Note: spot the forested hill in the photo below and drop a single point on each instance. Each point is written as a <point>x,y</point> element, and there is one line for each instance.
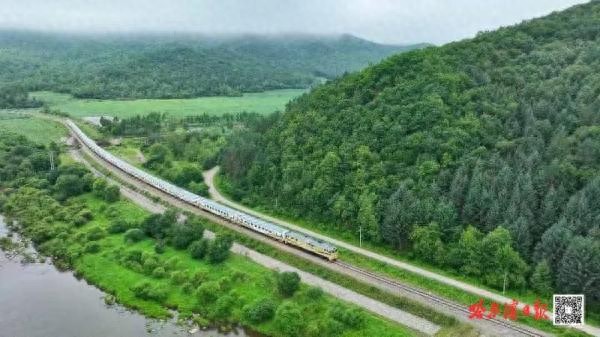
<point>167,66</point>
<point>499,130</point>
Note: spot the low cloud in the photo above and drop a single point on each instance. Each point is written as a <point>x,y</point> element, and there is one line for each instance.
<point>389,21</point>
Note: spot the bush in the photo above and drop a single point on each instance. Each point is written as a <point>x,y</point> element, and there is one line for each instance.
<point>218,250</point>
<point>159,225</point>
<point>314,293</point>
<point>112,193</point>
<point>208,292</point>
<point>118,226</point>
<point>260,311</point>
<point>78,221</point>
<point>95,233</point>
<point>159,272</point>
<point>133,235</point>
<point>182,235</point>
<point>159,247</point>
<point>188,288</point>
<point>351,317</point>
<point>146,291</point>
<point>179,277</point>
<point>199,188</point>
<point>289,320</point>
<point>198,248</point>
<point>150,264</point>
<point>223,307</point>
<point>98,187</point>
<point>288,283</point>
<point>86,214</point>
<point>199,278</point>
<point>92,247</point>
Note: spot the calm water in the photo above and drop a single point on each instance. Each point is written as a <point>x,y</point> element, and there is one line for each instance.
<point>37,300</point>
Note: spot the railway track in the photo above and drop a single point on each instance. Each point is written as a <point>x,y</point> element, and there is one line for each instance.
<point>506,325</point>
<point>437,299</point>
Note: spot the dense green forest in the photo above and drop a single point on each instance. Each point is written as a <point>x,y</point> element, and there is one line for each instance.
<point>481,156</point>
<point>15,97</point>
<point>180,66</point>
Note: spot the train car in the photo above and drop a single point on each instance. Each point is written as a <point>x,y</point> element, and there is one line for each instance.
<point>312,244</point>
<point>300,240</point>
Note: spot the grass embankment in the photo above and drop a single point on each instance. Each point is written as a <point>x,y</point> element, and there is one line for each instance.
<point>263,103</point>
<point>37,130</point>
<point>449,324</point>
<point>407,277</point>
<point>171,273</point>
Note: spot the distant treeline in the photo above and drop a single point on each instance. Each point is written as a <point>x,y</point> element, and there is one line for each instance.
<point>15,97</point>
<point>177,67</point>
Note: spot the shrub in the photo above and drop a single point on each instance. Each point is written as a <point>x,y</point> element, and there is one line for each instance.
<point>133,235</point>
<point>198,248</point>
<point>208,292</point>
<point>112,193</point>
<point>86,214</point>
<point>289,320</point>
<point>188,288</point>
<point>218,250</point>
<point>118,226</point>
<point>78,221</point>
<point>288,283</point>
<point>199,278</point>
<point>133,255</point>
<point>145,290</point>
<point>98,187</point>
<point>159,272</point>
<point>179,277</point>
<point>314,293</point>
<point>199,188</point>
<point>92,247</point>
<point>225,283</point>
<point>351,317</point>
<point>223,307</point>
<point>260,311</point>
<point>95,233</point>
<point>183,234</point>
<point>159,247</point>
<point>150,264</point>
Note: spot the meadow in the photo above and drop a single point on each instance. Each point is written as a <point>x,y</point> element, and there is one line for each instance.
<point>37,130</point>
<point>263,103</point>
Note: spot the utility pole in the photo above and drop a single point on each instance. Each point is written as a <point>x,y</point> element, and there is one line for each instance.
<point>360,235</point>
<point>51,160</point>
<point>504,284</point>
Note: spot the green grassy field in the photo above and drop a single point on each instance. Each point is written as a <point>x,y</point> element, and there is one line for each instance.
<point>264,103</point>
<point>37,130</point>
<point>246,280</point>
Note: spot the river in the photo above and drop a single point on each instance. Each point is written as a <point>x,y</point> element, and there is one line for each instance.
<point>37,300</point>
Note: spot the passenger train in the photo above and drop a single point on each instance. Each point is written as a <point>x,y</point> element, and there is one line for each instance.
<point>271,230</point>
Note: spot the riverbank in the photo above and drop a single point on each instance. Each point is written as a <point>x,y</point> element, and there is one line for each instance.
<point>37,300</point>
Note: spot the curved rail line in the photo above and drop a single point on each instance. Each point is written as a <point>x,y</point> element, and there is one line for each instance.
<point>379,278</point>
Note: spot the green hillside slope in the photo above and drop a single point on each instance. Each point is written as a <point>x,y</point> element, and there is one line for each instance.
<point>164,66</point>
<point>497,131</point>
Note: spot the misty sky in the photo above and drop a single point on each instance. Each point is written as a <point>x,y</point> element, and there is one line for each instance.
<point>389,21</point>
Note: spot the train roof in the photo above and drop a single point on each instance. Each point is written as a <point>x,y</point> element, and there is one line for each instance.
<point>195,198</point>
<point>312,240</point>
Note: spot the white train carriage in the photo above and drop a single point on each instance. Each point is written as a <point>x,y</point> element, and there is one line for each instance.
<point>297,239</point>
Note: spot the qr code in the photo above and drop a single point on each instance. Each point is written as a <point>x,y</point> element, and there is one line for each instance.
<point>568,309</point>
